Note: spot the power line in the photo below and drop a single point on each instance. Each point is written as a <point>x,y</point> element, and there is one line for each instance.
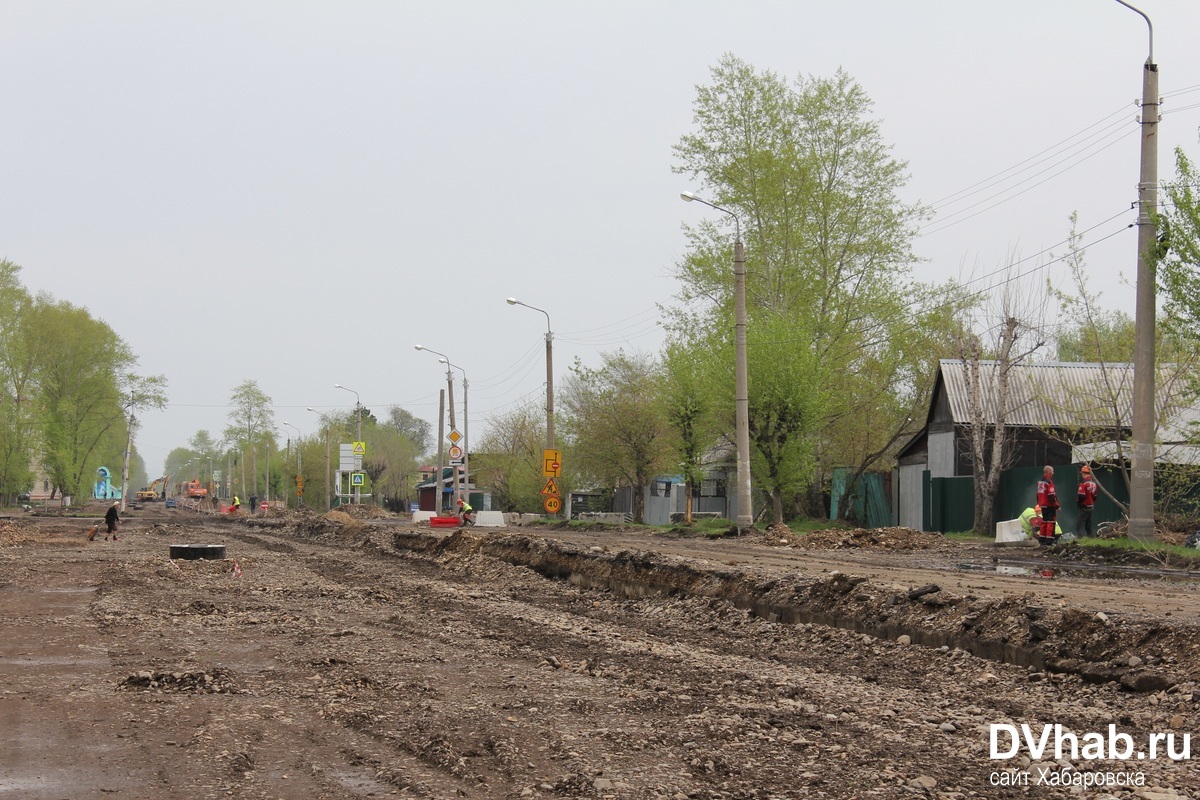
<point>940,227</point>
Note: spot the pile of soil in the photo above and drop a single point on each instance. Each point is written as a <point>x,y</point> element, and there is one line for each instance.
<point>879,538</point>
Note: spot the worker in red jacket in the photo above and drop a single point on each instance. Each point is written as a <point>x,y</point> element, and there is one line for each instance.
<point>1085,498</point>
<point>1047,498</point>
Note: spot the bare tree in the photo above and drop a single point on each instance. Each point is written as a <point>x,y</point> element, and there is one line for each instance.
<point>989,373</point>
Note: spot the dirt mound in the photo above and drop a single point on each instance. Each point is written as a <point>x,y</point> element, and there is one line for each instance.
<point>364,512</point>
<point>12,534</point>
<point>878,538</point>
<point>333,524</point>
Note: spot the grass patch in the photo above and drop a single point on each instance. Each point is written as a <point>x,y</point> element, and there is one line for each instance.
<point>967,537</point>
<point>1126,545</point>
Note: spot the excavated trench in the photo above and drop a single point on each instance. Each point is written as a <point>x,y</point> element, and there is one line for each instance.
<point>1010,630</point>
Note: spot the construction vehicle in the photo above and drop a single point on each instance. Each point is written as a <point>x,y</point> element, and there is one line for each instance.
<point>155,491</point>
<point>193,489</point>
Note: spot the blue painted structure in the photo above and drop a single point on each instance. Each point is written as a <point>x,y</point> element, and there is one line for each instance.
<point>104,490</point>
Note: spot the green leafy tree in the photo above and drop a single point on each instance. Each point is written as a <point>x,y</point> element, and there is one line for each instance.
<point>416,430</point>
<point>804,168</point>
<point>1178,254</point>
<point>690,402</point>
<point>251,421</point>
<point>508,459</point>
<point>138,393</point>
<point>786,409</point>
<point>392,468</point>
<point>617,424</point>
<point>80,391</point>
<point>19,358</point>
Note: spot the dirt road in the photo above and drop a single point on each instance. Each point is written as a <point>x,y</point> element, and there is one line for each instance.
<point>328,660</point>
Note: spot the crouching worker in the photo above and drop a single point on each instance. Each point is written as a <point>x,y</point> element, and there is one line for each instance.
<point>1031,521</point>
<point>1032,524</point>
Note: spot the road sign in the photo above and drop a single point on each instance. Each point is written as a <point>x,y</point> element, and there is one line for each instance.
<point>358,479</point>
<point>454,436</point>
<point>552,504</point>
<point>552,463</point>
<point>550,488</point>
<point>360,448</point>
<point>455,452</point>
<point>347,460</point>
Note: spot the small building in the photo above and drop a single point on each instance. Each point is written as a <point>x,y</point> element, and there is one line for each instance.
<point>1058,413</point>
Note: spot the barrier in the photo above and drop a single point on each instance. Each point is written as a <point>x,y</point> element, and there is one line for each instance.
<point>489,519</point>
<point>1009,531</point>
<point>422,516</point>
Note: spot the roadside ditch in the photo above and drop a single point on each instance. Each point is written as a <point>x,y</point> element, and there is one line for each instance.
<point>1141,655</point>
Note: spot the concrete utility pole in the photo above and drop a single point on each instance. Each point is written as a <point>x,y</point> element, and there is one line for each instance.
<point>745,509</point>
<point>512,301</point>
<point>1141,499</point>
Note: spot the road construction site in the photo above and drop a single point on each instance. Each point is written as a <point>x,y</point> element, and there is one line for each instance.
<point>349,655</point>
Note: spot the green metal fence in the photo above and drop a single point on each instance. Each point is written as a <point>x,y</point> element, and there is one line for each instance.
<point>949,503</point>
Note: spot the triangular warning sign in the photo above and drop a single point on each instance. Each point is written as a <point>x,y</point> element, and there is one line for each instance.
<point>551,487</point>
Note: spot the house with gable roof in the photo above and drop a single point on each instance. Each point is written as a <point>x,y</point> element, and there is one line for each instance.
<point>1058,413</point>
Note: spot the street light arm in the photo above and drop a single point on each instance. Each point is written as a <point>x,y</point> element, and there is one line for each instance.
<point>512,301</point>
<point>1149,24</point>
<point>737,221</point>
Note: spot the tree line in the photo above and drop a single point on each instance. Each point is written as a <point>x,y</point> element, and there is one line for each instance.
<point>842,340</point>
<point>69,396</point>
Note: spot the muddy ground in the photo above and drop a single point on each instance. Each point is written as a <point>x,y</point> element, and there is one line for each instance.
<point>331,657</point>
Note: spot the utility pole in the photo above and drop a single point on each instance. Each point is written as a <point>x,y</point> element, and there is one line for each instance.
<point>1141,495</point>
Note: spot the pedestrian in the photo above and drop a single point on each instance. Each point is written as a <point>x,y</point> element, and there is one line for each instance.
<point>235,505</point>
<point>1047,498</point>
<point>464,509</point>
<point>1085,498</point>
<point>112,519</point>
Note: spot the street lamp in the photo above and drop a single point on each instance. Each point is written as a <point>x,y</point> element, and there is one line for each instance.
<point>512,301</point>
<point>358,428</point>
<point>466,429</point>
<point>326,424</point>
<point>445,359</point>
<point>299,462</point>
<point>1141,479</point>
<point>745,511</point>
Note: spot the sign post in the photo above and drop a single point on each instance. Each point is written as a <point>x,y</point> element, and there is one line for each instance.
<point>552,469</point>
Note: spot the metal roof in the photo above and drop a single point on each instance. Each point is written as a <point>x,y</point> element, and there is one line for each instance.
<point>1066,395</point>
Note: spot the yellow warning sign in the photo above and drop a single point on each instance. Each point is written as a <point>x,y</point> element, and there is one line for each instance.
<point>552,463</point>
<point>551,487</point>
<point>360,448</point>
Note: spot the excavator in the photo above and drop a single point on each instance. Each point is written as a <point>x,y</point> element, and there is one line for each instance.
<point>194,489</point>
<point>157,490</point>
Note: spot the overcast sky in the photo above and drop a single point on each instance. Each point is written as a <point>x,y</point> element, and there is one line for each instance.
<point>298,192</point>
